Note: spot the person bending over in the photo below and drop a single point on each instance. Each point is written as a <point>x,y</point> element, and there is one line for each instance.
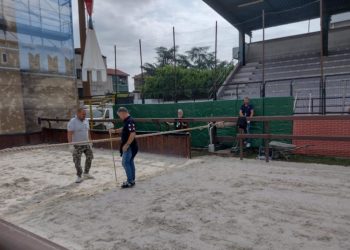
<point>128,146</point>
<point>79,131</point>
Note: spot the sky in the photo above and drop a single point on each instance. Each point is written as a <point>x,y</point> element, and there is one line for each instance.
<point>124,22</point>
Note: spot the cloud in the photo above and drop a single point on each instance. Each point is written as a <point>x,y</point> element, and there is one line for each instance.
<point>124,22</point>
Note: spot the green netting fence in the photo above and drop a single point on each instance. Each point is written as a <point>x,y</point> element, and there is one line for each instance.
<point>275,106</point>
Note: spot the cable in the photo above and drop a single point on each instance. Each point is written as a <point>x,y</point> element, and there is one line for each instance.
<point>29,148</point>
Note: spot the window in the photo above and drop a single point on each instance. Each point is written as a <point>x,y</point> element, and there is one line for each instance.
<point>4,58</point>
<point>96,113</point>
<point>78,74</point>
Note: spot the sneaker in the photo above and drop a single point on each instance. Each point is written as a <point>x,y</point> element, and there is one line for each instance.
<point>248,145</point>
<point>79,180</point>
<point>127,185</point>
<point>88,177</point>
<point>133,183</point>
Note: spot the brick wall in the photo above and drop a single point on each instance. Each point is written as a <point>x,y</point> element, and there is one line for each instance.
<point>326,128</point>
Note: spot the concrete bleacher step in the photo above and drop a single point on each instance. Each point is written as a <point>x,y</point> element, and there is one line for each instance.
<point>306,55</point>
<point>300,73</point>
<point>310,59</point>
<point>315,64</point>
<point>244,74</point>
<point>242,79</point>
<point>245,69</point>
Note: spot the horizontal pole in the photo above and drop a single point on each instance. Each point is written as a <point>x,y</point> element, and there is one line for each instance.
<point>223,119</point>
<point>294,137</point>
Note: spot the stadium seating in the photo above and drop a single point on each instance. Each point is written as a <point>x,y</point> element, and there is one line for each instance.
<point>297,75</point>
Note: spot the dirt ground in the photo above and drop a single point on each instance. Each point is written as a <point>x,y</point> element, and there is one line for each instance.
<point>208,202</point>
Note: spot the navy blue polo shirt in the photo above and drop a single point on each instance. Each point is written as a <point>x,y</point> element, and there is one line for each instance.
<point>247,110</point>
<point>128,128</point>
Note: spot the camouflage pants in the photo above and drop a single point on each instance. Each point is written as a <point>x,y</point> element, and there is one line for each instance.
<point>78,151</point>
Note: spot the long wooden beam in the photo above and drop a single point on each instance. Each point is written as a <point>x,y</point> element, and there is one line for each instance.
<point>15,238</point>
<point>225,119</point>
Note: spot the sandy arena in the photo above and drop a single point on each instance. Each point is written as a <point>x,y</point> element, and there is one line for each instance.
<point>203,203</point>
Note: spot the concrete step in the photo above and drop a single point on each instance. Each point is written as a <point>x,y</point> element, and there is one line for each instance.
<point>307,60</point>
<point>301,73</point>
<point>241,79</point>
<point>246,69</point>
<point>308,65</point>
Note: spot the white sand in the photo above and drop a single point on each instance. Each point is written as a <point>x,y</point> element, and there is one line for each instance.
<point>204,203</point>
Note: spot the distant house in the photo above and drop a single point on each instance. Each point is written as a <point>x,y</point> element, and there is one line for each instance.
<point>117,82</point>
<point>138,82</point>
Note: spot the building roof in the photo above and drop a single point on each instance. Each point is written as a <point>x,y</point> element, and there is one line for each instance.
<point>77,51</point>
<point>246,15</point>
<point>111,72</point>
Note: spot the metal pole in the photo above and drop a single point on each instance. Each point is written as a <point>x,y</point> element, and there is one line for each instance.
<point>322,87</point>
<point>216,60</point>
<point>142,77</point>
<point>115,68</point>
<point>263,51</point>
<point>175,77</point>
<point>263,61</point>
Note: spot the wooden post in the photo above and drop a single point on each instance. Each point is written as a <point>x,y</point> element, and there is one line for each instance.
<point>267,146</point>
<point>240,144</point>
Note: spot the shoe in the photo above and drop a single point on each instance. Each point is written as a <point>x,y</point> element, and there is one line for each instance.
<point>248,145</point>
<point>88,177</point>
<point>133,183</point>
<point>79,180</point>
<point>127,185</point>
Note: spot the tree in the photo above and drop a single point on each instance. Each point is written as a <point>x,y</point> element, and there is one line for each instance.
<point>149,68</point>
<point>194,74</point>
<point>200,57</point>
<point>165,56</point>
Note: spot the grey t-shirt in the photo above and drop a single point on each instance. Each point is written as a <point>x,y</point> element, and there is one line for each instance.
<point>79,128</point>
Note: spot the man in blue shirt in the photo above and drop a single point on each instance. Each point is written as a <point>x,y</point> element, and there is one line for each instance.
<point>247,110</point>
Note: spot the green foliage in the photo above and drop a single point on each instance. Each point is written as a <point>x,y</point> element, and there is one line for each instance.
<point>191,83</point>
<point>195,74</point>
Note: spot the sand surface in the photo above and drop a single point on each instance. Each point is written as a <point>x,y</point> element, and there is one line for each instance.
<point>203,203</point>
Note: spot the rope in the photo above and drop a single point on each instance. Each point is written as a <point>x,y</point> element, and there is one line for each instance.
<point>30,148</point>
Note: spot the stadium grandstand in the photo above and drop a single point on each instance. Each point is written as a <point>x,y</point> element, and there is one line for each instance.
<point>314,68</point>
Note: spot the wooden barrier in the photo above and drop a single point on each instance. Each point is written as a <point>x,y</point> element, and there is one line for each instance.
<point>16,140</point>
<point>15,238</point>
<point>178,145</point>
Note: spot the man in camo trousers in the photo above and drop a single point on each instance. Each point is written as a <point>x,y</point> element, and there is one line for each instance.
<point>79,131</point>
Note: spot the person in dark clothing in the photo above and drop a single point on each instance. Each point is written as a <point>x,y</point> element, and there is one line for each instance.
<point>179,124</point>
<point>128,146</point>
<point>247,110</point>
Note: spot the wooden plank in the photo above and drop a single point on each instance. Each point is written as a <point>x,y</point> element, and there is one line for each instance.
<point>15,238</point>
<point>173,144</point>
<point>295,137</point>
